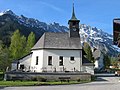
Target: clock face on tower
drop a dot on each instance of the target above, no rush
(74, 28)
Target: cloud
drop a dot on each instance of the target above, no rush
(52, 6)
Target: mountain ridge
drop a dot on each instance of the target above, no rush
(97, 38)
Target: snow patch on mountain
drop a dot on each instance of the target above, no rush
(8, 11)
(1, 13)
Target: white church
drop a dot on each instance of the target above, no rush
(57, 52)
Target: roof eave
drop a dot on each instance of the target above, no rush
(58, 48)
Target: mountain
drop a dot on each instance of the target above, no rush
(9, 22)
(98, 39)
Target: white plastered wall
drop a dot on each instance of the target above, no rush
(34, 67)
(67, 64)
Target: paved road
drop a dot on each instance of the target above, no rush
(102, 83)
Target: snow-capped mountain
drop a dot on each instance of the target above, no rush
(96, 37)
(8, 11)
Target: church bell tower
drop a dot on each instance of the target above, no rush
(74, 26)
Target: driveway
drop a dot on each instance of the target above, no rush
(102, 83)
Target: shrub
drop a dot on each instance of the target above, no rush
(93, 78)
(33, 79)
(78, 80)
(41, 79)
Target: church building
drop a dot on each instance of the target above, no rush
(57, 52)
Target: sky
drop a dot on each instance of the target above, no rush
(96, 13)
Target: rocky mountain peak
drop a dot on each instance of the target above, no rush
(8, 11)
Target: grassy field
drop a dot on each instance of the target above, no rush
(17, 83)
(1, 72)
(36, 83)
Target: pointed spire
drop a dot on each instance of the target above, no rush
(73, 14)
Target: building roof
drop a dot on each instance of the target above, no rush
(97, 54)
(17, 61)
(52, 40)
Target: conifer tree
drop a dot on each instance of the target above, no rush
(107, 61)
(88, 51)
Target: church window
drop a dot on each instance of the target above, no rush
(72, 58)
(22, 66)
(61, 61)
(49, 60)
(37, 60)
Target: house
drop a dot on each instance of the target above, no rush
(98, 56)
(22, 63)
(57, 52)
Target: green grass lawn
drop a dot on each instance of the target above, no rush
(1, 72)
(36, 83)
(17, 83)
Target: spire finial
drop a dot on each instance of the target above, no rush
(73, 13)
(73, 6)
(73, 2)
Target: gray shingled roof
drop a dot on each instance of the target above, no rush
(50, 40)
(17, 61)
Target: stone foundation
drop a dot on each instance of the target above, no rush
(49, 76)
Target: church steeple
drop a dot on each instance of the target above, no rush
(73, 14)
(74, 25)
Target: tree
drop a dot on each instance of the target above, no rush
(22, 45)
(88, 51)
(17, 46)
(4, 57)
(30, 42)
(114, 63)
(107, 61)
